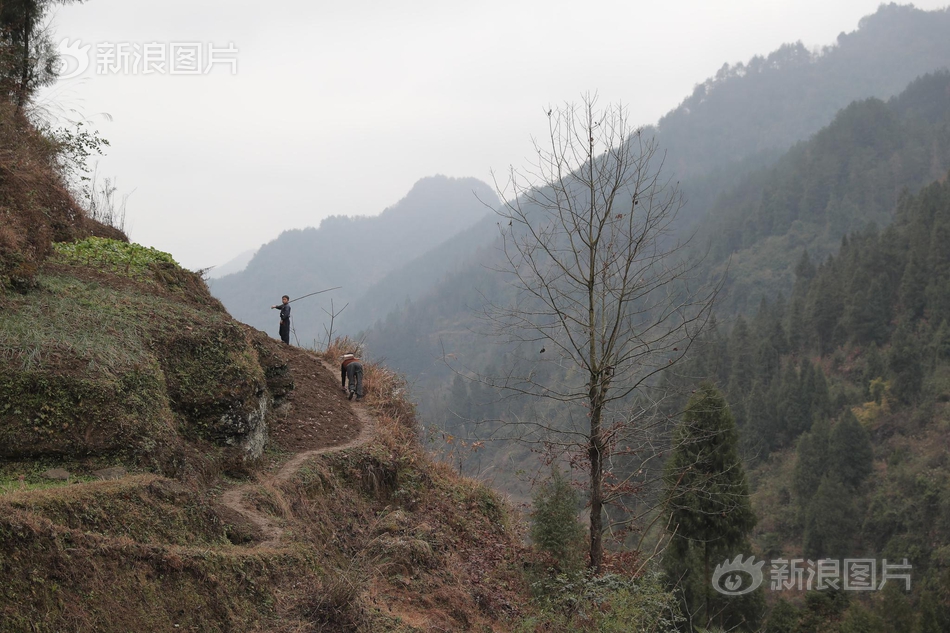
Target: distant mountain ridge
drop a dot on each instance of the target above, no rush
(771, 102)
(733, 125)
(441, 321)
(234, 265)
(352, 252)
(849, 176)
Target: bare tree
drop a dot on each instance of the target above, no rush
(603, 296)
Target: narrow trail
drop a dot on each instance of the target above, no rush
(235, 498)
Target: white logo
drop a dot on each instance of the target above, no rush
(728, 577)
(73, 58)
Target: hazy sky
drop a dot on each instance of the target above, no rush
(339, 107)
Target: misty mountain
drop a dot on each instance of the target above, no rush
(352, 252)
(848, 177)
(234, 265)
(750, 113)
(850, 174)
(419, 276)
(722, 138)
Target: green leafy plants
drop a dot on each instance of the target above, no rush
(124, 258)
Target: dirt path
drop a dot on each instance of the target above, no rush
(301, 419)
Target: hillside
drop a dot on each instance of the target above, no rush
(163, 466)
(848, 177)
(354, 253)
(840, 393)
(750, 113)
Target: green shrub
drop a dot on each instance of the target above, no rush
(555, 529)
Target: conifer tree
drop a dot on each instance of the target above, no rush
(824, 306)
(849, 450)
(874, 368)
(792, 415)
(913, 286)
(812, 461)
(707, 492)
(796, 325)
(741, 358)
(555, 529)
(905, 364)
(869, 313)
(27, 57)
(830, 520)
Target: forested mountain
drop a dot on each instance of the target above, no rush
(745, 117)
(416, 278)
(233, 265)
(350, 252)
(847, 177)
(773, 101)
(750, 113)
(840, 394)
(734, 124)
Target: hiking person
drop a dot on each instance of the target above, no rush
(284, 318)
(352, 369)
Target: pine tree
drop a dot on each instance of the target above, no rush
(830, 520)
(804, 269)
(824, 306)
(849, 451)
(869, 313)
(760, 424)
(905, 362)
(874, 368)
(555, 528)
(741, 357)
(27, 55)
(707, 492)
(796, 325)
(812, 461)
(791, 411)
(913, 285)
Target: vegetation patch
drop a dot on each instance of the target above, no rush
(93, 368)
(121, 258)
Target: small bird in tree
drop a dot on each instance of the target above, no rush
(542, 351)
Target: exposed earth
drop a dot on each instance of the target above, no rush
(316, 414)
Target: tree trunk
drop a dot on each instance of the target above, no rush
(596, 490)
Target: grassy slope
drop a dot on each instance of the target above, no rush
(105, 365)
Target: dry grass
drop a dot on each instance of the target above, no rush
(385, 393)
(36, 208)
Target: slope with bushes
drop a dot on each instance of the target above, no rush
(841, 394)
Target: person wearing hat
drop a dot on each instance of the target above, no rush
(352, 369)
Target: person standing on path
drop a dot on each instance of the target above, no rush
(284, 318)
(352, 369)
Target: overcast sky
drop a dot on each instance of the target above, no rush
(339, 107)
